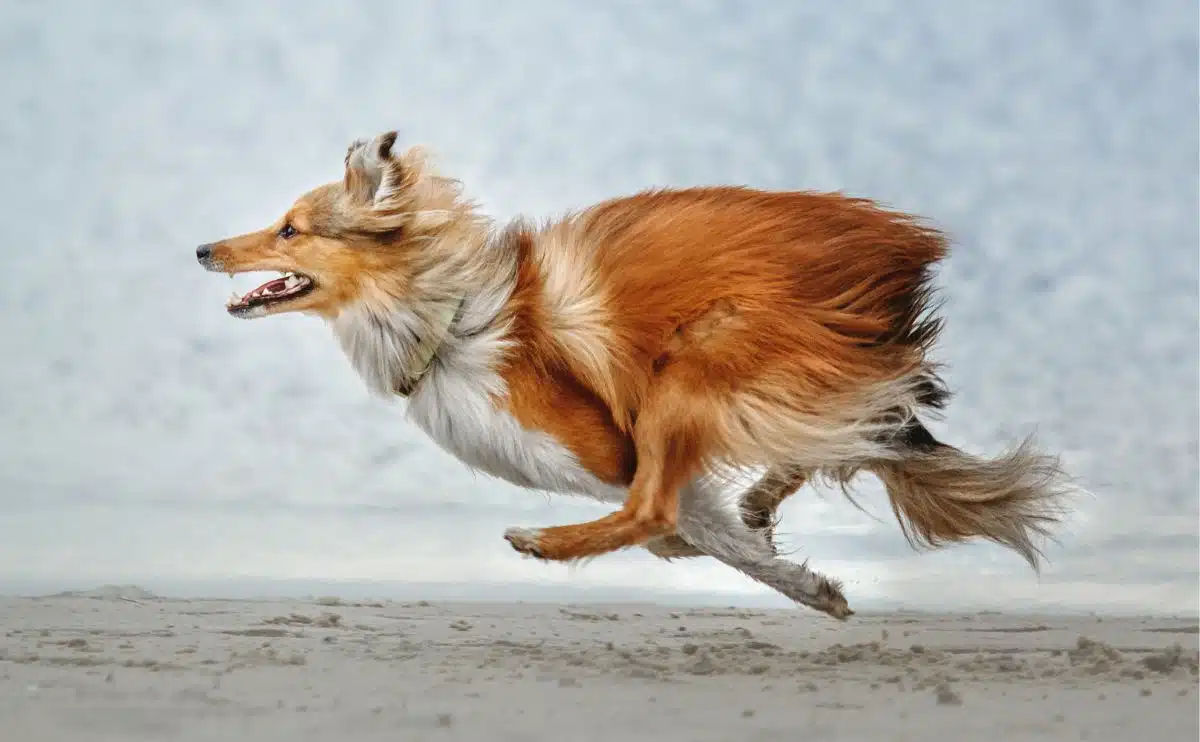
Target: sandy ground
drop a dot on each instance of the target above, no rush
(121, 664)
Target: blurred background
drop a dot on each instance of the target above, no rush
(147, 437)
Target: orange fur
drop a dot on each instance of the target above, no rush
(543, 393)
(733, 299)
(822, 295)
(650, 341)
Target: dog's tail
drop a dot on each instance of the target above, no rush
(943, 495)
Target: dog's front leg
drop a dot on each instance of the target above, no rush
(668, 455)
(651, 510)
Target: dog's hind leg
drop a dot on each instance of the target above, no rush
(759, 505)
(708, 520)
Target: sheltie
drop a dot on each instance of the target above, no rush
(651, 351)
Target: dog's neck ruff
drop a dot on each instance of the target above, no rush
(454, 317)
(394, 348)
(441, 326)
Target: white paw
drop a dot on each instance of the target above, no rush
(525, 540)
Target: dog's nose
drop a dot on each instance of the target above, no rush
(204, 252)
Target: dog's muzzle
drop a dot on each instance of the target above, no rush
(204, 256)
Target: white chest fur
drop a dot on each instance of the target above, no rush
(455, 409)
(454, 405)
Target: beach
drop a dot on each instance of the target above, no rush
(120, 663)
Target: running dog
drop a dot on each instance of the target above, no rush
(649, 351)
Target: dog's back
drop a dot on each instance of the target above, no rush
(796, 317)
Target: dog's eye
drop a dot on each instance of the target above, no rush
(287, 231)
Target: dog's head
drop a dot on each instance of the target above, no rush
(360, 239)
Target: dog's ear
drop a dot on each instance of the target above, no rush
(370, 165)
(397, 190)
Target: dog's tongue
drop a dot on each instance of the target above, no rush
(271, 287)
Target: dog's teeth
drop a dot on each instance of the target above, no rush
(292, 281)
(233, 299)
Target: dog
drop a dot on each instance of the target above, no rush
(650, 351)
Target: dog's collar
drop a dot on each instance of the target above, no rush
(441, 326)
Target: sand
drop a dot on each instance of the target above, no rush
(119, 663)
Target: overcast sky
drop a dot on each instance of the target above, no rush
(146, 436)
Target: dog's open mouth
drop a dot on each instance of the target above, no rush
(289, 286)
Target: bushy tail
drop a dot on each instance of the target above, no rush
(942, 495)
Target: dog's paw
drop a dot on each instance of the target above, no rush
(832, 601)
(838, 608)
(525, 541)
